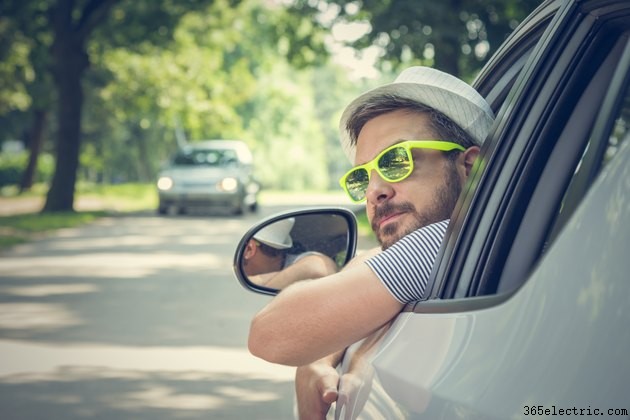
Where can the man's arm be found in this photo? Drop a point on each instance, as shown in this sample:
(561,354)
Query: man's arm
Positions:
(309,267)
(316,383)
(315,318)
(312,319)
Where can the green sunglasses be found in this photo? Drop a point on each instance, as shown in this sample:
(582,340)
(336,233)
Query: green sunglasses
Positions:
(393,165)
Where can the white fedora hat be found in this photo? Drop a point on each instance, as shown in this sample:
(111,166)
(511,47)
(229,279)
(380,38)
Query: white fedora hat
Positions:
(277,235)
(451,96)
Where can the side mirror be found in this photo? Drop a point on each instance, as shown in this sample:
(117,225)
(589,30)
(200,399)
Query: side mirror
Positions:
(294,246)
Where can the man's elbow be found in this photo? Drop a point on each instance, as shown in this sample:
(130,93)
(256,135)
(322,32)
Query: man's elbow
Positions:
(256,341)
(271,345)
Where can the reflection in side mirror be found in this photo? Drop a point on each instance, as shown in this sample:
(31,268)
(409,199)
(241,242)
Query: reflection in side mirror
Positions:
(294,246)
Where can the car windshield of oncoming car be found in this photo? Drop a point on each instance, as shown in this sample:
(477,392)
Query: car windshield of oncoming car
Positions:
(207,157)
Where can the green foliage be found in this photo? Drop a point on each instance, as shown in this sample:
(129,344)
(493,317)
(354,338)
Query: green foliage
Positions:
(289,148)
(119,197)
(457,36)
(363,226)
(189,85)
(245,69)
(25,81)
(17,229)
(221,77)
(11,168)
(31,223)
(12,165)
(9,241)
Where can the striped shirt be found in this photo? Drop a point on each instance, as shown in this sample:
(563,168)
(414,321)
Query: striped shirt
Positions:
(405,267)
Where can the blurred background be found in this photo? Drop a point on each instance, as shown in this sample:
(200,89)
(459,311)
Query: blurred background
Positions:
(100,92)
(109,309)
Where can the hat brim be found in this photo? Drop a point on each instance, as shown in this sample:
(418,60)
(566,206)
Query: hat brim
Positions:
(275,245)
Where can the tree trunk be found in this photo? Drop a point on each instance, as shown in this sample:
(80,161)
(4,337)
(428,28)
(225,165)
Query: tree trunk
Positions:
(70,61)
(35,141)
(144,167)
(447,53)
(71,27)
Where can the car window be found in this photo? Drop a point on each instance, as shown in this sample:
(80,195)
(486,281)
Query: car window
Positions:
(609,129)
(542,132)
(494,82)
(613,130)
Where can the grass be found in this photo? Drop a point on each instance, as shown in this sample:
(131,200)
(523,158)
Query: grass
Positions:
(120,197)
(16,229)
(91,202)
(36,222)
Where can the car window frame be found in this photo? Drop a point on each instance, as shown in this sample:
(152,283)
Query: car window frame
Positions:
(478,224)
(536,231)
(497,83)
(592,161)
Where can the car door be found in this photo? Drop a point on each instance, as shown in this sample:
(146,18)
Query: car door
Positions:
(528,310)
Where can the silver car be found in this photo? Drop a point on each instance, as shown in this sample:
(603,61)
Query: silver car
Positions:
(528,308)
(212,174)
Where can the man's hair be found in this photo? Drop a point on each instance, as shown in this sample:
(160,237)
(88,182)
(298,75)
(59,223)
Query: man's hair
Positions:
(444,128)
(270,251)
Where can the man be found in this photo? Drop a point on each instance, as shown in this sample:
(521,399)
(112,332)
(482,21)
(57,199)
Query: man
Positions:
(267,260)
(415,142)
(266,252)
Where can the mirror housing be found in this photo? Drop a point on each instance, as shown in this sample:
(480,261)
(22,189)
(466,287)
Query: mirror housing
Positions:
(324,239)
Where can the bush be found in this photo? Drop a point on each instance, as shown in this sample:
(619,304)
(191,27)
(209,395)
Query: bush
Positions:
(12,166)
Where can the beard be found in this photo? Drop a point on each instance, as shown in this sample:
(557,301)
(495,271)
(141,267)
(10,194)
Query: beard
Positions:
(444,200)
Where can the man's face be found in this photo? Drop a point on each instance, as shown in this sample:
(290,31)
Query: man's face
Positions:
(256,262)
(427,196)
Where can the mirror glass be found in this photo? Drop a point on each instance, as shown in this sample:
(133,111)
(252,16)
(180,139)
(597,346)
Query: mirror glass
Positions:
(295,246)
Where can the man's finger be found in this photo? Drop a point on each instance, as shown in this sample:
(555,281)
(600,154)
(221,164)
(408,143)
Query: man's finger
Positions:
(329,395)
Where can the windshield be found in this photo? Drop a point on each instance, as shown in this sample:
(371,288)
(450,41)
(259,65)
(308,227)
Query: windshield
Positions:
(207,157)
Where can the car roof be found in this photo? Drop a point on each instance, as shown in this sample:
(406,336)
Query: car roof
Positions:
(241,148)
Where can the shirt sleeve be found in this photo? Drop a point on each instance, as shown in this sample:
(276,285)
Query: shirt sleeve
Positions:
(405,267)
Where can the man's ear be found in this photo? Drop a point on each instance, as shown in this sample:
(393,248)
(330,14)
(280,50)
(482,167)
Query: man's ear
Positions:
(469,157)
(250,250)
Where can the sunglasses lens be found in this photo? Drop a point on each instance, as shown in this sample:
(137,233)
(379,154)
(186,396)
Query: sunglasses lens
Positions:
(356,184)
(395,164)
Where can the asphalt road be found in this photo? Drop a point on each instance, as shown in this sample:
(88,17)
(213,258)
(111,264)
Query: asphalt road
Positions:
(134,317)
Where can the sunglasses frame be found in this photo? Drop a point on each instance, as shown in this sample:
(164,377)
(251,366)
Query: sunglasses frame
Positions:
(407,145)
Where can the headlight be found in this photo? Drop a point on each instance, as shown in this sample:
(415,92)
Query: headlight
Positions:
(165,183)
(228,184)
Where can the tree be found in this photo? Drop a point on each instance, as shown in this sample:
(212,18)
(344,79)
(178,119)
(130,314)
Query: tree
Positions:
(78,30)
(226,74)
(71,27)
(25,93)
(73,24)
(74,28)
(456,36)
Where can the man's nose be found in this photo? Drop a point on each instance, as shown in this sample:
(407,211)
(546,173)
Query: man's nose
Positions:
(378,190)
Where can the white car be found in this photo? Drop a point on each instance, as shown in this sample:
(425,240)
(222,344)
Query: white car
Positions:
(527,313)
(211,174)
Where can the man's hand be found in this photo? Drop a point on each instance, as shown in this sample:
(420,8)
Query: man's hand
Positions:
(316,387)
